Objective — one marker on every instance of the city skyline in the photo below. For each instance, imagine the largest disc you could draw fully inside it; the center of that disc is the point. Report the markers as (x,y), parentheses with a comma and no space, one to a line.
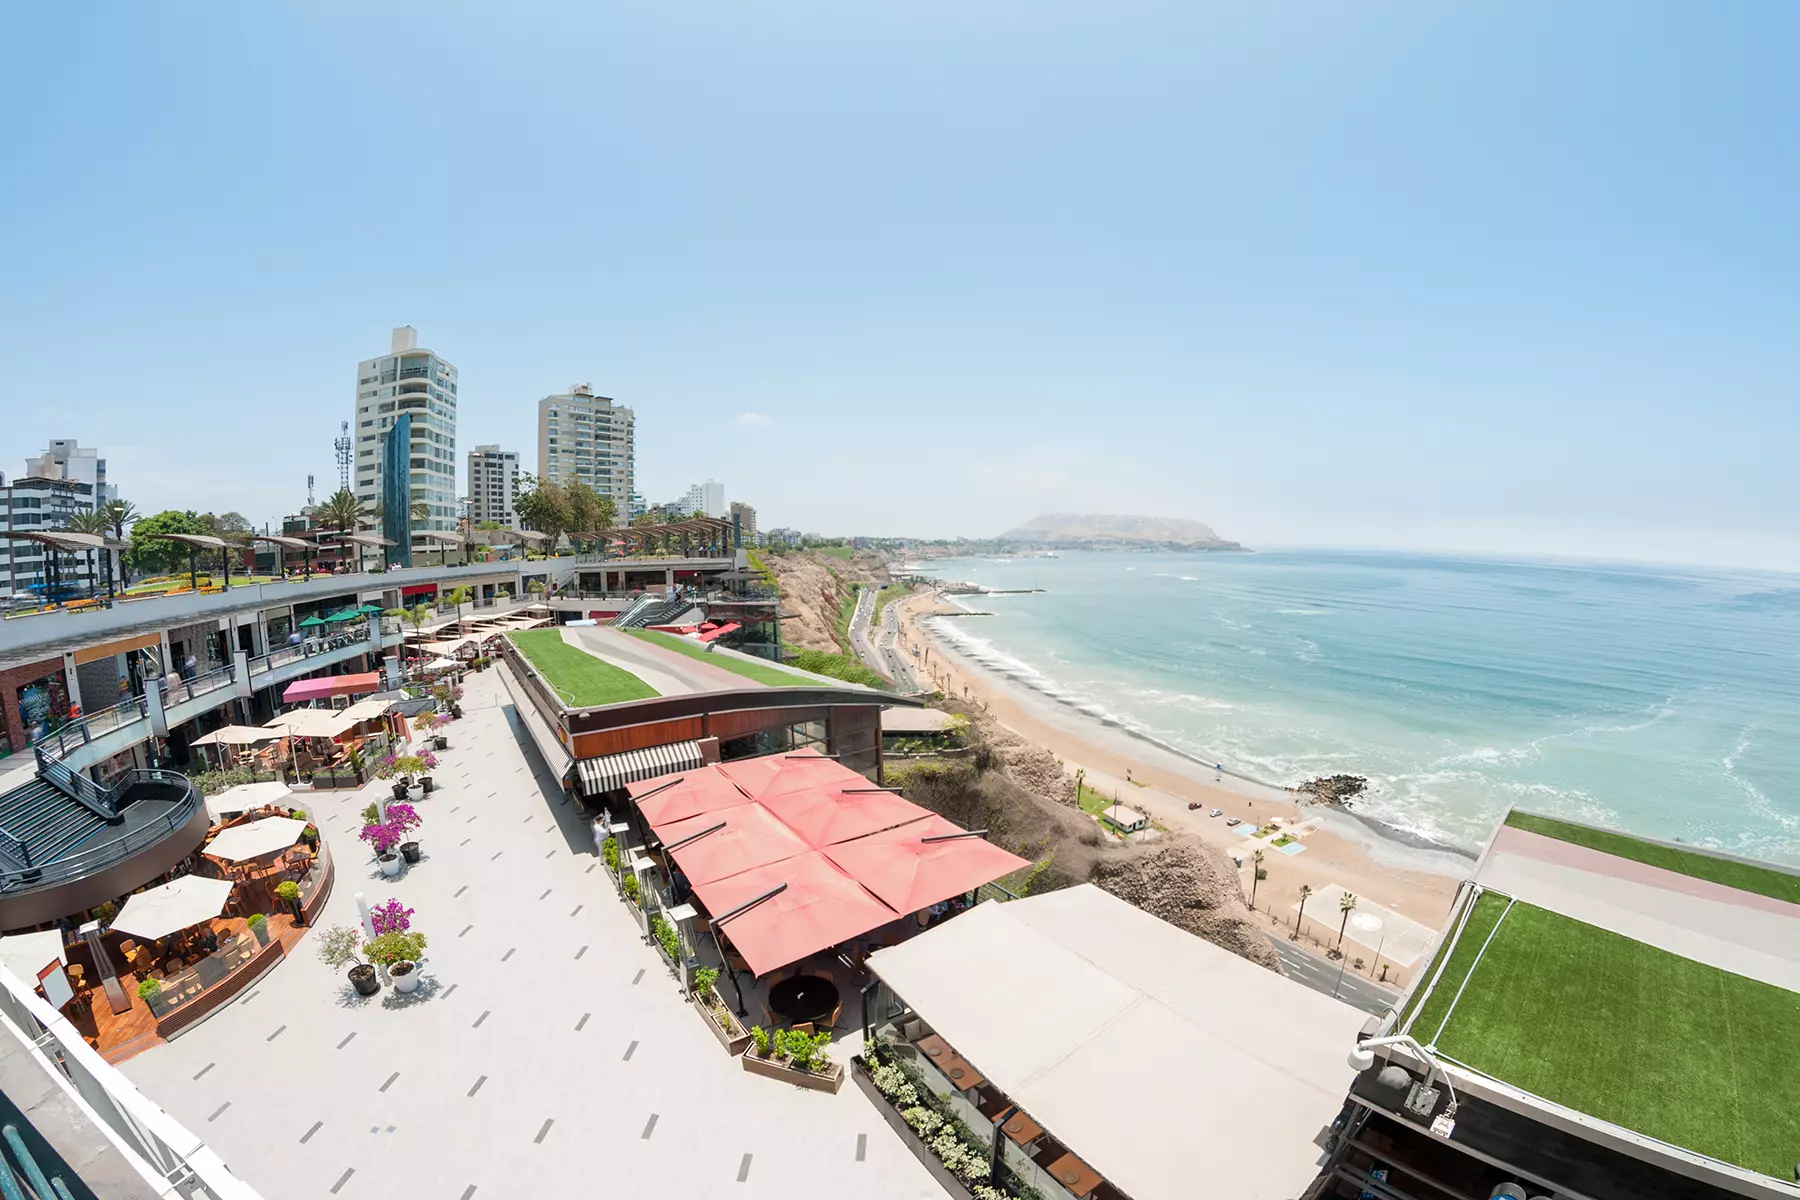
(1347,285)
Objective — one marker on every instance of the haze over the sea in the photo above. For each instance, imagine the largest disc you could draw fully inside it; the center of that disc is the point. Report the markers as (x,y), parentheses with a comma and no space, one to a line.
(1663,700)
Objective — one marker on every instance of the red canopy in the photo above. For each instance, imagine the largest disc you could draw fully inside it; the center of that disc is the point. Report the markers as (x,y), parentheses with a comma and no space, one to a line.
(330,685)
(823,817)
(820,907)
(778,774)
(741,838)
(695,792)
(910,872)
(719,632)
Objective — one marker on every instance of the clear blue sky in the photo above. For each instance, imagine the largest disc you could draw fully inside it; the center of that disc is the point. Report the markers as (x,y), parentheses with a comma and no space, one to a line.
(1507,276)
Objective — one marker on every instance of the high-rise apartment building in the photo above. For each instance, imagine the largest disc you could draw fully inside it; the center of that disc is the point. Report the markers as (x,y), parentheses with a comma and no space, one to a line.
(67,460)
(690,502)
(493,486)
(584,438)
(712,498)
(37,504)
(745,517)
(409,381)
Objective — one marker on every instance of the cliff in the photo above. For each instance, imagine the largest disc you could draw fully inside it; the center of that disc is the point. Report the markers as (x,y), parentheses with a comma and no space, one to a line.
(1103,530)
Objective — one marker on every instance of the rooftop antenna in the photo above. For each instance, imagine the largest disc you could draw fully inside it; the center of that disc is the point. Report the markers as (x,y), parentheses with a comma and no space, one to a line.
(342,446)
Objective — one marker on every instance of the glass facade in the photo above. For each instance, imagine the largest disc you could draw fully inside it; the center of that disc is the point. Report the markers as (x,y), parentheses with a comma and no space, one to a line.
(396,492)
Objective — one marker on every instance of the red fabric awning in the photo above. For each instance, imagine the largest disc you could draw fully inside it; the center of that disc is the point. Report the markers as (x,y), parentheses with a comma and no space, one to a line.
(789,772)
(750,838)
(330,685)
(419,589)
(910,873)
(720,631)
(693,793)
(820,907)
(823,817)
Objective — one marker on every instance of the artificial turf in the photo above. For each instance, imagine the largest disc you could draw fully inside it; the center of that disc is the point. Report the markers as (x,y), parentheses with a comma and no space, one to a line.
(577,676)
(1660,1044)
(1742,876)
(771,676)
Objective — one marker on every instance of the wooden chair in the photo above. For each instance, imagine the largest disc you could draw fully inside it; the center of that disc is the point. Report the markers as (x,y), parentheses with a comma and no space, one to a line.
(803,1027)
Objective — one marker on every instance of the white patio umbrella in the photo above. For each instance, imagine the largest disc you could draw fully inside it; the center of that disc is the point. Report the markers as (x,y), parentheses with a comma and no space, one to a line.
(155,914)
(254,840)
(239,735)
(246,796)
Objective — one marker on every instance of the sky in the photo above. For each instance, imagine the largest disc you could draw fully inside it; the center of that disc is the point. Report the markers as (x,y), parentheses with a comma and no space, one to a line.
(1511,277)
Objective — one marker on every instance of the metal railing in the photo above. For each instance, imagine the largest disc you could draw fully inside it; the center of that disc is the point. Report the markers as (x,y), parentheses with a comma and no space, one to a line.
(169,1158)
(82,730)
(264,663)
(180,690)
(102,800)
(133,841)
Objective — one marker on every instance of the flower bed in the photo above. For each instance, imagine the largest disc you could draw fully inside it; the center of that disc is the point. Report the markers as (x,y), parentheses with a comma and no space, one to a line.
(947,1146)
(719,1017)
(793,1057)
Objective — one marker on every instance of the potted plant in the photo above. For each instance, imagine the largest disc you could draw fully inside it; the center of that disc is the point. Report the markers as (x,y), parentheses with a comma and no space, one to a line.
(383,839)
(731,1033)
(406,766)
(338,949)
(404,818)
(398,950)
(259,925)
(428,762)
(148,988)
(289,892)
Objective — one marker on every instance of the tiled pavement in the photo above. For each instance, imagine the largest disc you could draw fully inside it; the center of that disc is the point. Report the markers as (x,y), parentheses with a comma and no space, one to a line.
(548,1054)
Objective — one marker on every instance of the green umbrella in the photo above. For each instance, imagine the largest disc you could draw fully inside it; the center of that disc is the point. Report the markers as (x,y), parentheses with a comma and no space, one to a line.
(373,610)
(347,615)
(313,621)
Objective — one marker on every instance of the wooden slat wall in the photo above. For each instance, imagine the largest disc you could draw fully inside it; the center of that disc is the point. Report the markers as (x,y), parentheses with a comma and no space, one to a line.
(637,737)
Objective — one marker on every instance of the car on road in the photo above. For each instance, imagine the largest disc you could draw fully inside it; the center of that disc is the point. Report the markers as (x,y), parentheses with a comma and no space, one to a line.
(1217,812)
(1229,821)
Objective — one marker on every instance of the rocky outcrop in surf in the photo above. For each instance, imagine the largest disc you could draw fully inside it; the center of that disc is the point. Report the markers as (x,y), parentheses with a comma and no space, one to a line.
(1334,789)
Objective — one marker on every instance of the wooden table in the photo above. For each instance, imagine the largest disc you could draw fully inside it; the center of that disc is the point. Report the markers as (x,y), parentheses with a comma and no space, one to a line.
(1074,1175)
(1021,1129)
(955,1068)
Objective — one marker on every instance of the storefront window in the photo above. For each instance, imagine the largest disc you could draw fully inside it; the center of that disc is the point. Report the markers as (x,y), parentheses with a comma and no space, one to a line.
(44,706)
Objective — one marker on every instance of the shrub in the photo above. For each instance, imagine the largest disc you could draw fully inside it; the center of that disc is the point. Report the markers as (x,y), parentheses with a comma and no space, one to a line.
(704,981)
(255,920)
(609,850)
(759,1037)
(288,890)
(396,946)
(381,838)
(149,988)
(404,817)
(338,947)
(666,937)
(631,888)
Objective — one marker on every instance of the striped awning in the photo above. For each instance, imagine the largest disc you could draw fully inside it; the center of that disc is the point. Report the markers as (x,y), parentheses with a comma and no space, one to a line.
(611,771)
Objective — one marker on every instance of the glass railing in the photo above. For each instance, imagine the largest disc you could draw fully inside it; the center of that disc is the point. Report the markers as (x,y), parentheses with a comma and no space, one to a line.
(314,879)
(85,729)
(186,985)
(94,796)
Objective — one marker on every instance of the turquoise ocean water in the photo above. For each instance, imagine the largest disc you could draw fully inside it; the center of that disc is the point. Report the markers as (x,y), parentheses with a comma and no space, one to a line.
(1663,700)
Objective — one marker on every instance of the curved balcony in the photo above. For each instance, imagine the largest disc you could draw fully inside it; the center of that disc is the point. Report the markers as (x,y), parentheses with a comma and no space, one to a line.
(161,820)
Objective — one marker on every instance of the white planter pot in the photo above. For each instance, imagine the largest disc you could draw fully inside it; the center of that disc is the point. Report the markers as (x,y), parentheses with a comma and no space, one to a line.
(390,865)
(407,982)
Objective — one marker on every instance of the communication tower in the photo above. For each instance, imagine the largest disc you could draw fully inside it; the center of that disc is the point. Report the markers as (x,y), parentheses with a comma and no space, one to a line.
(342,445)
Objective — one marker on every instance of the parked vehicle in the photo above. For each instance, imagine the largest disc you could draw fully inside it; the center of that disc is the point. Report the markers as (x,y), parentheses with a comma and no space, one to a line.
(1217,812)
(1229,821)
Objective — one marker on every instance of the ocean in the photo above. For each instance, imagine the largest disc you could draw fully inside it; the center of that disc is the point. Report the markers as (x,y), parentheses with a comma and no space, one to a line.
(1660,700)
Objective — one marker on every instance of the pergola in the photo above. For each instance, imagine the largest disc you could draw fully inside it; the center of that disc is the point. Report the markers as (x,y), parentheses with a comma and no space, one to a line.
(196,542)
(65,541)
(365,539)
(706,533)
(281,543)
(445,541)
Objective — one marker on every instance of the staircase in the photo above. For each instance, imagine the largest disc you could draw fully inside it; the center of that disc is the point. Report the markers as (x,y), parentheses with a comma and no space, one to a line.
(47,821)
(650,611)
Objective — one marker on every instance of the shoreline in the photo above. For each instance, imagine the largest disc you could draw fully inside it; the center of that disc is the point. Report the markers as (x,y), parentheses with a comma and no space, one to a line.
(1388,866)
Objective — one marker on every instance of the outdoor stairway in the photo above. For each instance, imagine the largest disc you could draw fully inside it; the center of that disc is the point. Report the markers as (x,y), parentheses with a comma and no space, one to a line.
(47,820)
(650,611)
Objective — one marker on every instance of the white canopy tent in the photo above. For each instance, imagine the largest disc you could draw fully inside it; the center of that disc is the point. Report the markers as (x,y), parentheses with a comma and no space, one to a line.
(254,840)
(314,722)
(160,911)
(239,735)
(246,796)
(1159,1059)
(367,710)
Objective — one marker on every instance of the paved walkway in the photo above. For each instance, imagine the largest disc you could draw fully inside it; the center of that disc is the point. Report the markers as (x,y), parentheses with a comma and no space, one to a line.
(549,1053)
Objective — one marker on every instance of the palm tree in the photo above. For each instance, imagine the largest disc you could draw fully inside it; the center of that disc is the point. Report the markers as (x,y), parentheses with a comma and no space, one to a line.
(1346,905)
(1305,891)
(460,596)
(1257,874)
(344,513)
(415,615)
(94,522)
(119,514)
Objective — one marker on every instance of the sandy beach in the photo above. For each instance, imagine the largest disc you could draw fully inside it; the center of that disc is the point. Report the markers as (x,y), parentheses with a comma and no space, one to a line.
(1418,884)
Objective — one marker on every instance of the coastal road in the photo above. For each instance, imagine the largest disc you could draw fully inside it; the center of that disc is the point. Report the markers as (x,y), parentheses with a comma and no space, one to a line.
(887,643)
(879,647)
(859,629)
(1322,975)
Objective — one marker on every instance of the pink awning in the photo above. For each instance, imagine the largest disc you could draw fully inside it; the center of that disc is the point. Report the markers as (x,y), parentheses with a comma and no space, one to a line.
(819,908)
(823,817)
(330,685)
(694,792)
(777,773)
(728,842)
(720,632)
(921,864)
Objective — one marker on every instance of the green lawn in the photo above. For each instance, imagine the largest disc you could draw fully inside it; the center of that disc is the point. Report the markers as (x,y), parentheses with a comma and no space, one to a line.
(577,676)
(770,675)
(1093,801)
(1684,1052)
(1742,876)
(843,552)
(846,610)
